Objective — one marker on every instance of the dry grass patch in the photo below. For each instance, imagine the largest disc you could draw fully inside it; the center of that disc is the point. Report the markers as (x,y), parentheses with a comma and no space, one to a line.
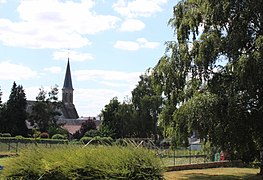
(215,173)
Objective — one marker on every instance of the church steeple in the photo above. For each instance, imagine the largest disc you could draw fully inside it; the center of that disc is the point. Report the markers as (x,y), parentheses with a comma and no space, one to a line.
(68,81)
(67,91)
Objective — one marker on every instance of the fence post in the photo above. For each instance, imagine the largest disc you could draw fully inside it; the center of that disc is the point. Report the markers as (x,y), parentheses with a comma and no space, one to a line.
(174,155)
(9,146)
(16,146)
(190,154)
(204,155)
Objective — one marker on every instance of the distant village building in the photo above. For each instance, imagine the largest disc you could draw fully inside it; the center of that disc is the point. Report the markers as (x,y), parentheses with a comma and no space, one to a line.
(69,118)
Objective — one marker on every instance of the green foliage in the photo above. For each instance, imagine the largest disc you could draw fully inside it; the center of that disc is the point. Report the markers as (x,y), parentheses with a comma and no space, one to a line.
(110,122)
(105,131)
(135,117)
(79,163)
(19,137)
(57,130)
(35,133)
(45,110)
(221,101)
(147,104)
(85,126)
(33,140)
(92,133)
(6,135)
(13,113)
(58,136)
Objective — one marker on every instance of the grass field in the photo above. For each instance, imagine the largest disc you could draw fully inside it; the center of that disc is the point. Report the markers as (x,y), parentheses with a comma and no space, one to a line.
(215,173)
(2,161)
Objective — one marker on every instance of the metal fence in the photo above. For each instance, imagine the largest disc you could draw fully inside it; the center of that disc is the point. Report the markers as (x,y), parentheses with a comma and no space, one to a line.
(193,154)
(14,146)
(170,156)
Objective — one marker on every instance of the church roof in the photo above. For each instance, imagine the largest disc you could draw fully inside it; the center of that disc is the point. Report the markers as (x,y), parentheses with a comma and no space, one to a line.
(68,81)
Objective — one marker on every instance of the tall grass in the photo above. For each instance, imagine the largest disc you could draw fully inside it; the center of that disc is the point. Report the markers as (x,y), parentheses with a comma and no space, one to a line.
(101,162)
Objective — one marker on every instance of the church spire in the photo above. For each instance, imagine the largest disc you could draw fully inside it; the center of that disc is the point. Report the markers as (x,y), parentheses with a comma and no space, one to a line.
(69,111)
(68,81)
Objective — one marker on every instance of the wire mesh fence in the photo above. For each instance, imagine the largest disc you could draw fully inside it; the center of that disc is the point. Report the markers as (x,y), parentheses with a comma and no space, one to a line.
(170,156)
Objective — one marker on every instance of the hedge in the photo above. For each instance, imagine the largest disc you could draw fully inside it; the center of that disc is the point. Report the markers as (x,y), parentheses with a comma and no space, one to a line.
(101,162)
(20,139)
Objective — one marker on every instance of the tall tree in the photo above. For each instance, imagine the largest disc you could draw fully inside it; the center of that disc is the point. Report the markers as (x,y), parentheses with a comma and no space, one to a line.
(111,122)
(0,97)
(219,50)
(147,103)
(14,112)
(45,110)
(1,111)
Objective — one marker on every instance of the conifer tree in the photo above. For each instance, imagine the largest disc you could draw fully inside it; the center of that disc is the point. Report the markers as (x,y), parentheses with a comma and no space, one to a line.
(14,112)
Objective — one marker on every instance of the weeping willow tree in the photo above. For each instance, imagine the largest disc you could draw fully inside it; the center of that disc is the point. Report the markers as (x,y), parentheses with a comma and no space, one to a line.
(212,75)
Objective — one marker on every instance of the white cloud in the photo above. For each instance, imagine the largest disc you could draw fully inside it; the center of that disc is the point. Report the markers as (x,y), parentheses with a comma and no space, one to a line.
(127,45)
(9,71)
(136,45)
(3,1)
(102,75)
(146,44)
(72,55)
(90,102)
(54,24)
(53,69)
(138,8)
(132,25)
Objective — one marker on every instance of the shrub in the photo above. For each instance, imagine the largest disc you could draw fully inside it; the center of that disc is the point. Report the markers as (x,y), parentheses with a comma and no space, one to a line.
(101,162)
(44,135)
(19,137)
(57,130)
(58,136)
(35,133)
(6,135)
(92,133)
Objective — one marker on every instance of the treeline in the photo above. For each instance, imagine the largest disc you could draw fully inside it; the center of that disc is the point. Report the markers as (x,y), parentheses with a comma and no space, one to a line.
(209,80)
(16,116)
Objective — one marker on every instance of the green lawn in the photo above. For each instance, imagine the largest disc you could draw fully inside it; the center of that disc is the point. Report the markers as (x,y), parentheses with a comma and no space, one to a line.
(2,161)
(215,173)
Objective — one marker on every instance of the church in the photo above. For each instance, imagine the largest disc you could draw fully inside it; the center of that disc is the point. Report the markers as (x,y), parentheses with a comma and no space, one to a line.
(69,118)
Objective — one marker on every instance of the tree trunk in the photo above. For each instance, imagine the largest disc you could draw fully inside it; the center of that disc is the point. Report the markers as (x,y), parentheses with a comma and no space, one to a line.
(261,169)
(261,163)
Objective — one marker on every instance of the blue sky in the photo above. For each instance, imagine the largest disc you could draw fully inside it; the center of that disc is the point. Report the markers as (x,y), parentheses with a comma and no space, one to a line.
(110,43)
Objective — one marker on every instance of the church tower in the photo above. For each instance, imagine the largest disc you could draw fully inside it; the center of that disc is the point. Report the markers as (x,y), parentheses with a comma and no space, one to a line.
(67,91)
(69,111)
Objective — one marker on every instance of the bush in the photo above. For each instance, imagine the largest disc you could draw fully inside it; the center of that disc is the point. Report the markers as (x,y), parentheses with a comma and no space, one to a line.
(44,135)
(92,133)
(101,162)
(58,136)
(57,130)
(19,137)
(6,135)
(35,133)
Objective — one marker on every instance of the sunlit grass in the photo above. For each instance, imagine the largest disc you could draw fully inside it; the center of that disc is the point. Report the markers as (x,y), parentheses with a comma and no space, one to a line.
(215,173)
